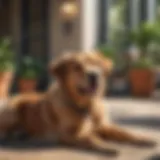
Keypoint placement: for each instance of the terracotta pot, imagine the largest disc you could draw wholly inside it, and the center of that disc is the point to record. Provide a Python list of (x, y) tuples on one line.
[(27, 85), (5, 83), (142, 82)]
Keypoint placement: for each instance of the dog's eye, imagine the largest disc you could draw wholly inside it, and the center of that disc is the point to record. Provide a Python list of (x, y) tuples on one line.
[(77, 67)]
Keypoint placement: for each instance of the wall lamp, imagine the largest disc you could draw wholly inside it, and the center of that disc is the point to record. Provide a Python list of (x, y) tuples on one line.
[(69, 10)]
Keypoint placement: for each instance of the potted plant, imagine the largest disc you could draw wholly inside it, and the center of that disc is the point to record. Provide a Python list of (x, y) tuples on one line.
[(6, 66), (107, 51), (117, 80), (141, 73), (28, 74)]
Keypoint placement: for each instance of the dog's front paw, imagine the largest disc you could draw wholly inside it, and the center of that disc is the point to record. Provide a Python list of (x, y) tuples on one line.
[(145, 142), (111, 152)]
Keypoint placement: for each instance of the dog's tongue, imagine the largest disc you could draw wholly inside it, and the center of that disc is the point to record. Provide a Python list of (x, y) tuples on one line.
[(92, 87)]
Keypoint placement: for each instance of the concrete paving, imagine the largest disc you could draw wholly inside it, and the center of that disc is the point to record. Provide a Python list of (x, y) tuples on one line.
[(141, 116)]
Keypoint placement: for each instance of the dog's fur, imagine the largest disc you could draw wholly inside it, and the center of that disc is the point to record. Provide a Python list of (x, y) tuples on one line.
[(72, 108)]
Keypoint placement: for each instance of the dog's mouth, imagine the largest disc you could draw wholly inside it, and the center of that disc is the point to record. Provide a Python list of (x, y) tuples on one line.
[(91, 88)]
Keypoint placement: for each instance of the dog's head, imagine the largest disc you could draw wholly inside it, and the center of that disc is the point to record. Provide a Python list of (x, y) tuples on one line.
[(82, 75)]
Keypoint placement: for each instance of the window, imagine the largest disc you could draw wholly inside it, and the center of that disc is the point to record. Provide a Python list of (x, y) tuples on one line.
[(117, 23)]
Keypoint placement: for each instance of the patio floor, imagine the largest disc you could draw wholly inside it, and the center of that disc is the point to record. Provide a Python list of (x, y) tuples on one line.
[(141, 116)]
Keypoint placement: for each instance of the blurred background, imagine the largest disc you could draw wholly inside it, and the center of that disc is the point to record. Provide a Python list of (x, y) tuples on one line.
[(32, 32)]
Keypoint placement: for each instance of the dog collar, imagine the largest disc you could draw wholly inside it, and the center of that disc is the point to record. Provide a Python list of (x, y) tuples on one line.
[(81, 110)]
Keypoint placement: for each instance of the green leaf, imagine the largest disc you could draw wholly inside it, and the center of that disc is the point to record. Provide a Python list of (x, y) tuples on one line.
[(107, 51), (143, 63), (30, 68), (6, 55)]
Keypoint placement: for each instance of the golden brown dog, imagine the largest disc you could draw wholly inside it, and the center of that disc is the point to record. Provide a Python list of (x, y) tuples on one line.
[(72, 108)]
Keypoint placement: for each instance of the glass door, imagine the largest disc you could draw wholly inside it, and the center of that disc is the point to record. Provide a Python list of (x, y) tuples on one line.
[(35, 33)]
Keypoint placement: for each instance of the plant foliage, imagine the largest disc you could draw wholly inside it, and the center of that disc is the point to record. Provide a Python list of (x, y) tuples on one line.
[(6, 55), (30, 68)]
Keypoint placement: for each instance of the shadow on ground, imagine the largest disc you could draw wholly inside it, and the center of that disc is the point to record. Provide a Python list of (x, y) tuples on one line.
[(20, 144), (16, 145), (149, 122), (154, 157)]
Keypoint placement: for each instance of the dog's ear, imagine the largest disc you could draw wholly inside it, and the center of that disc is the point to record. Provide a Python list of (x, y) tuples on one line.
[(106, 63), (59, 66)]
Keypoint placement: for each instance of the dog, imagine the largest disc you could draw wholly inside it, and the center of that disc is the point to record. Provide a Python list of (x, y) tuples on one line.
[(72, 109)]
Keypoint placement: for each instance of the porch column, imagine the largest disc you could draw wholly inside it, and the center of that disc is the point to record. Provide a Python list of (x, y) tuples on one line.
[(148, 10), (143, 10), (135, 13), (132, 14), (151, 10), (89, 24), (104, 6)]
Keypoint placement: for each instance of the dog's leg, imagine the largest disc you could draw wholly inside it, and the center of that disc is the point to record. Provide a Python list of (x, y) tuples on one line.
[(117, 134), (96, 143), (112, 132), (8, 121), (91, 142)]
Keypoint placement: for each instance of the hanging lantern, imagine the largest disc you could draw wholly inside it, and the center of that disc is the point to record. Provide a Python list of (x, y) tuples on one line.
[(69, 9)]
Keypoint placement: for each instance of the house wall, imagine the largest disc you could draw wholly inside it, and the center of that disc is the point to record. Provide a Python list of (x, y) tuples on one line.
[(59, 41), (85, 32), (83, 37)]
